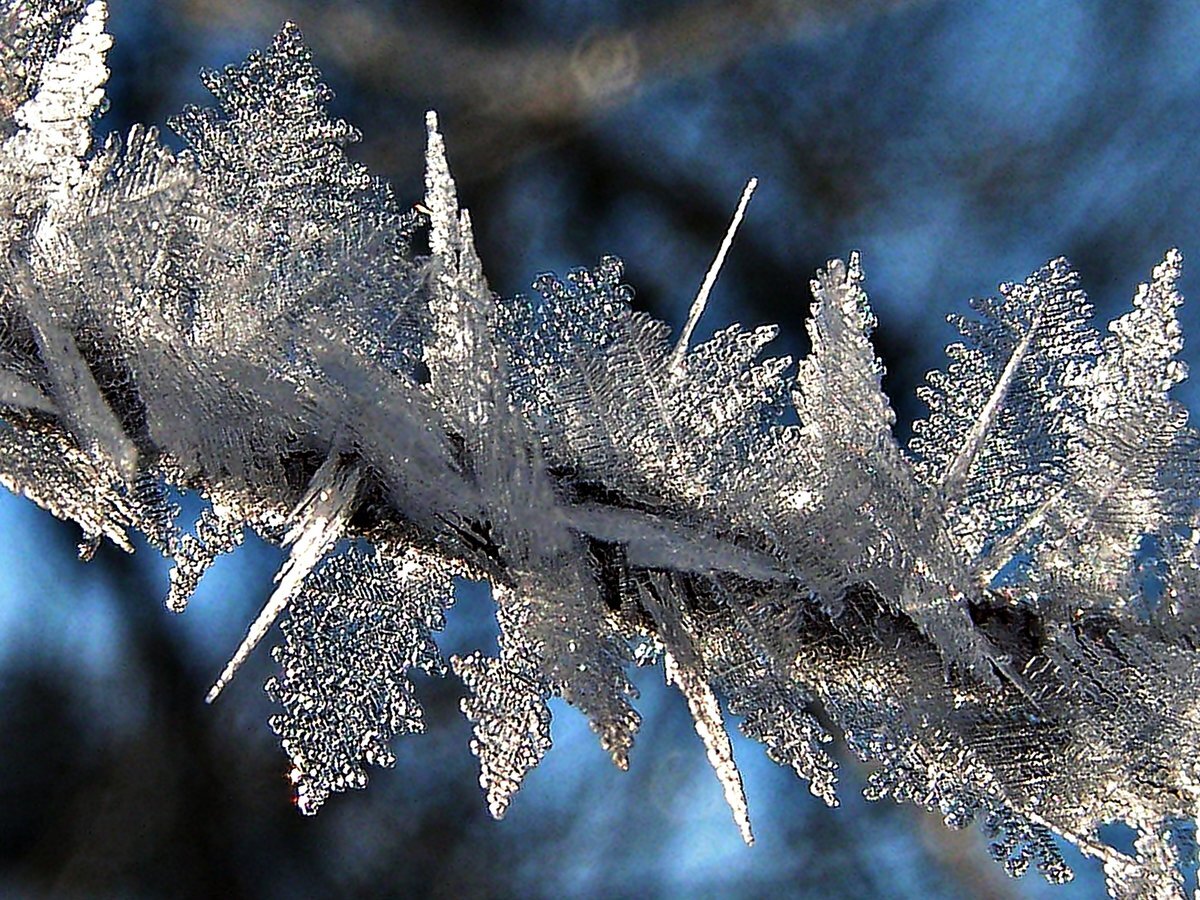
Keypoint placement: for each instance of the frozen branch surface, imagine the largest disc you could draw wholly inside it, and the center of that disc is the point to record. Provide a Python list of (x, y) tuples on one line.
[(1000, 617)]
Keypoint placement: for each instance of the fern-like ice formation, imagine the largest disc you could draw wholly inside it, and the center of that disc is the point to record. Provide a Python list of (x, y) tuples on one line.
[(1001, 617)]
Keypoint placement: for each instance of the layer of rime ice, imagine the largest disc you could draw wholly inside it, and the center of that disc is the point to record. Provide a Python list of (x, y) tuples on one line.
[(1001, 617)]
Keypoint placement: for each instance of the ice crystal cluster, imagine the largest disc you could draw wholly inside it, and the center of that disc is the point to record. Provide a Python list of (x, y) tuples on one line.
[(1001, 617)]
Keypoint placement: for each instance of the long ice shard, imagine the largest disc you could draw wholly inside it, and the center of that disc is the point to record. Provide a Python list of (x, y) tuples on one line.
[(319, 523)]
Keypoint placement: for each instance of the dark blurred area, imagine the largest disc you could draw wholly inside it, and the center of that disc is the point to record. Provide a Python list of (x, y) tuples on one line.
[(956, 144)]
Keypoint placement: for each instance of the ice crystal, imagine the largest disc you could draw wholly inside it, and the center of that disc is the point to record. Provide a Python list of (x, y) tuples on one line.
[(1001, 618), (353, 632)]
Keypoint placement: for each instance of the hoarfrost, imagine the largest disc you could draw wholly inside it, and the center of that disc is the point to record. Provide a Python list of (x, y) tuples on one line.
[(1001, 617)]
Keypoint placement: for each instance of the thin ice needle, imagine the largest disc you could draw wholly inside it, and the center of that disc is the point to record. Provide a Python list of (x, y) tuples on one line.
[(319, 522), (710, 279), (258, 630), (309, 540)]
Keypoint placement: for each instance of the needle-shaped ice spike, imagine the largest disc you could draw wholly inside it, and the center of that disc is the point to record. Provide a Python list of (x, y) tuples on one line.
[(319, 522), (710, 279)]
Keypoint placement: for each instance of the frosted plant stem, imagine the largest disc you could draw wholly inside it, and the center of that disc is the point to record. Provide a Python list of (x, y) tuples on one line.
[(710, 279), (763, 532)]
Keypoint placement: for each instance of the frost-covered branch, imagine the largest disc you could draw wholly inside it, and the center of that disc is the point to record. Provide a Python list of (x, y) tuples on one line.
[(1000, 617)]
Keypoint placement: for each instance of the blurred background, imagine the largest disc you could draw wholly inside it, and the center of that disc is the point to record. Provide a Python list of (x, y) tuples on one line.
[(956, 144)]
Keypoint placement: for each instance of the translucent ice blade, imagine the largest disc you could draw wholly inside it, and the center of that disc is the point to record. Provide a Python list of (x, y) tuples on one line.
[(706, 713), (710, 279), (320, 521)]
